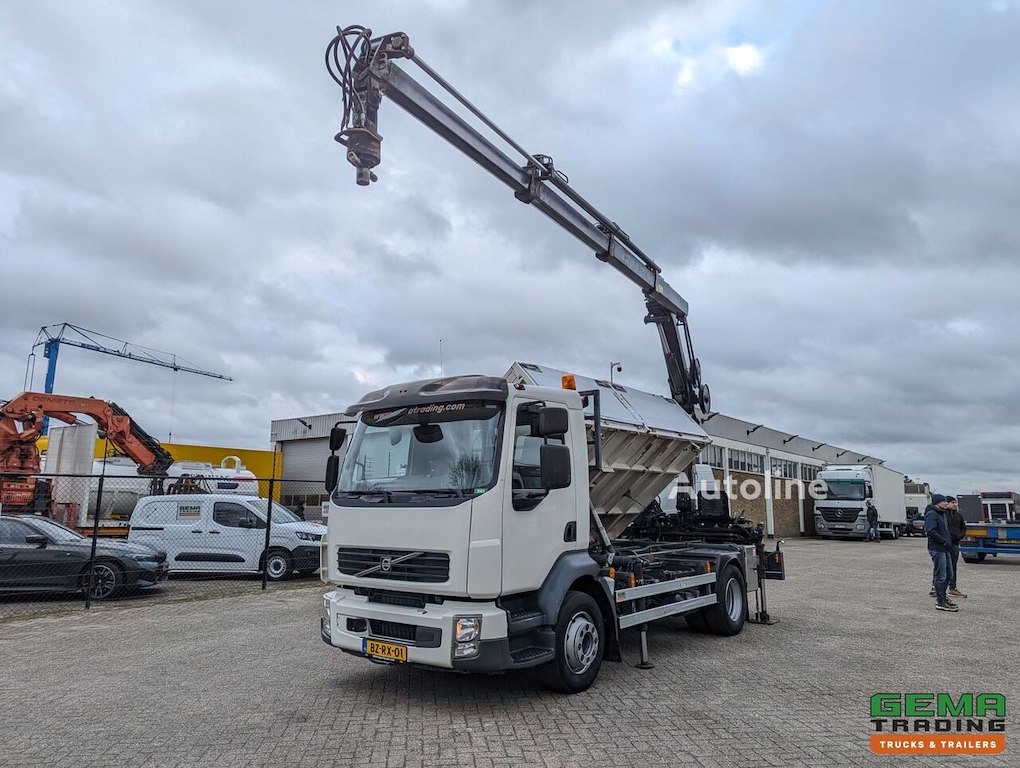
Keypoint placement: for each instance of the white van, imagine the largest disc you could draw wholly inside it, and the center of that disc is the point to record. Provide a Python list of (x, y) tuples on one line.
[(225, 533)]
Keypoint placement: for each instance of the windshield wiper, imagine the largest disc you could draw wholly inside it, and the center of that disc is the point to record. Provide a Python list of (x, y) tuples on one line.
[(382, 493), (445, 492)]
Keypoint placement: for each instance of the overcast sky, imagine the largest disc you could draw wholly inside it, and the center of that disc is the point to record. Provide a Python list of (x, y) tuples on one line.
[(833, 186)]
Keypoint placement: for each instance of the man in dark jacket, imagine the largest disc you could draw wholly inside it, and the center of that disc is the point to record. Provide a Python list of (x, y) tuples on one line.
[(939, 544), (957, 530), (872, 513)]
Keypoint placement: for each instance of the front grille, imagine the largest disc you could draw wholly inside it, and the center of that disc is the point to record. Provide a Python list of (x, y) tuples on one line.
[(393, 630), (395, 598), (430, 567), (838, 514)]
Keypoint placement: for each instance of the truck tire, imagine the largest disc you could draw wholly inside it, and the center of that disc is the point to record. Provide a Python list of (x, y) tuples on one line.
[(580, 644), (696, 621), (727, 616), (278, 565)]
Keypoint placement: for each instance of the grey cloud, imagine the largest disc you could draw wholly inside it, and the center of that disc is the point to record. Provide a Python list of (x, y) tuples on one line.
[(841, 220)]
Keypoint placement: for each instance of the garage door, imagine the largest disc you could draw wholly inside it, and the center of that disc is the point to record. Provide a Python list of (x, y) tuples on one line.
[(305, 459)]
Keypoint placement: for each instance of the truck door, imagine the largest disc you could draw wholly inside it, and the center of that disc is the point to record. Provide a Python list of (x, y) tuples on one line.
[(538, 525)]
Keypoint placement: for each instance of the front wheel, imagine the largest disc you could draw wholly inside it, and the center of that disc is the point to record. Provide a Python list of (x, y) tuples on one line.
[(580, 644), (105, 580), (278, 565)]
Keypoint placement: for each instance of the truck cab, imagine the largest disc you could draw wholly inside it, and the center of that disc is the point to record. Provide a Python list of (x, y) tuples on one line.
[(842, 513)]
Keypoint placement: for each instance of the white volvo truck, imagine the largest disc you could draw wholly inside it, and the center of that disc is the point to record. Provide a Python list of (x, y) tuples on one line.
[(485, 524), (495, 523)]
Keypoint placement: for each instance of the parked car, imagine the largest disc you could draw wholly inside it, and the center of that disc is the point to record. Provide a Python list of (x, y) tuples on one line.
[(40, 555), (917, 527), (224, 533)]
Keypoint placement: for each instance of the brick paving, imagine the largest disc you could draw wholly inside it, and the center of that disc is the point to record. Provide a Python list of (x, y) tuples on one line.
[(246, 681)]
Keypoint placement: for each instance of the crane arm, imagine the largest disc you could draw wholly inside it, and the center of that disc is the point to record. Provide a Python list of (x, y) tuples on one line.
[(365, 69), (18, 453)]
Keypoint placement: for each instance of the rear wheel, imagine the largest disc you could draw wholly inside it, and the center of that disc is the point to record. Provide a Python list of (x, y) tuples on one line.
[(727, 616), (696, 621), (580, 644)]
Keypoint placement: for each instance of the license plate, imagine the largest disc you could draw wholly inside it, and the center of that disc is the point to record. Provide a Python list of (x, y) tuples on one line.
[(388, 651), (841, 527)]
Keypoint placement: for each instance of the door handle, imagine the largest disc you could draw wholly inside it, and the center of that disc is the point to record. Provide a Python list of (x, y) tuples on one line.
[(196, 531), (216, 532), (570, 531)]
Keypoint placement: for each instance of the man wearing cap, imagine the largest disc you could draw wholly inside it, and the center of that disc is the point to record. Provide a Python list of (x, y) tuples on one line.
[(957, 530), (939, 544)]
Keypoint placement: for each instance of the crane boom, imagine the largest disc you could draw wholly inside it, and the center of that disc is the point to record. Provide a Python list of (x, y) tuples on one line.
[(365, 69), (51, 337)]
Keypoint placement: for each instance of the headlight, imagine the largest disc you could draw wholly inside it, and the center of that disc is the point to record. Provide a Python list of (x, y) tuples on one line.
[(467, 628), (325, 607), (819, 523), (304, 536), (859, 527)]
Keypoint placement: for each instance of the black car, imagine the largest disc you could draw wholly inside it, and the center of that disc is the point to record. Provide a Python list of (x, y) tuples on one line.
[(39, 555), (917, 527)]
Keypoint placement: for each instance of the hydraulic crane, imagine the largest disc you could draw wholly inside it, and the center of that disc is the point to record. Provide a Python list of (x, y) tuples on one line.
[(19, 455), (365, 68), (52, 336)]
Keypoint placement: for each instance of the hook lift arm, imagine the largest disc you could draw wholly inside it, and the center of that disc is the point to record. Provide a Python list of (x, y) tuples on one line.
[(365, 69)]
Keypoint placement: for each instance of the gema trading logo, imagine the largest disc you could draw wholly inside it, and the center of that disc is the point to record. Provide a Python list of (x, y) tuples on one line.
[(938, 723)]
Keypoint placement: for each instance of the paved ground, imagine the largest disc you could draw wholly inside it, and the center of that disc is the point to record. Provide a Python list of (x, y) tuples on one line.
[(246, 681), (18, 606)]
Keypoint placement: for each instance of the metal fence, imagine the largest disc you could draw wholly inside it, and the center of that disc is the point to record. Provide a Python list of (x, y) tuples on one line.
[(90, 540)]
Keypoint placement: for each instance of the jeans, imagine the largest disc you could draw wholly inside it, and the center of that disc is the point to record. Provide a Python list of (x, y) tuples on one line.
[(943, 563), (873, 534), (954, 561)]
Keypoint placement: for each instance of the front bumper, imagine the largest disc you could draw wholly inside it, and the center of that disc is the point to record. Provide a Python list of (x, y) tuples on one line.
[(436, 622), (150, 574), (306, 558)]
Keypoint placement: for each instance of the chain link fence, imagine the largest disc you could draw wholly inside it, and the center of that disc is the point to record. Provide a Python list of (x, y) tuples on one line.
[(85, 541)]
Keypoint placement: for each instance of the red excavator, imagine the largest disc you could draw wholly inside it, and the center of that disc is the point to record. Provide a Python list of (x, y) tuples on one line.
[(21, 421)]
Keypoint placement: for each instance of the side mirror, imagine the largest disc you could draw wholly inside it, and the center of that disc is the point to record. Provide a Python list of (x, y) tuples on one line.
[(337, 435), (332, 472), (39, 540), (552, 421), (554, 463)]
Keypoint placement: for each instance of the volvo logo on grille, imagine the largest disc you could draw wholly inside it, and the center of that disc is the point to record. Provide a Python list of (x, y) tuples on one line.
[(385, 564)]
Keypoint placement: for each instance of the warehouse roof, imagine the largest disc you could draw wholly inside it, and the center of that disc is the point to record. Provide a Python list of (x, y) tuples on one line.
[(729, 428)]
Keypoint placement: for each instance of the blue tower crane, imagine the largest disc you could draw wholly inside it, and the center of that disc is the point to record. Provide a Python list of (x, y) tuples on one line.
[(52, 336)]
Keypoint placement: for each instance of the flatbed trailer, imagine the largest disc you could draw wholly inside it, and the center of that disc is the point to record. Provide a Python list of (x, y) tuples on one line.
[(990, 538)]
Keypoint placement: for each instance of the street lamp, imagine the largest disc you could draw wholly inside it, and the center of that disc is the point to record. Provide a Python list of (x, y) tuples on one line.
[(614, 366)]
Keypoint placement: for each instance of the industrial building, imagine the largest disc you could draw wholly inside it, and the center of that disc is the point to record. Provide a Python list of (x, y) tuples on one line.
[(761, 465)]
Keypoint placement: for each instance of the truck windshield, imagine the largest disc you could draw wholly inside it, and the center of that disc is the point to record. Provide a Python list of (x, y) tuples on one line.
[(845, 490), (442, 449)]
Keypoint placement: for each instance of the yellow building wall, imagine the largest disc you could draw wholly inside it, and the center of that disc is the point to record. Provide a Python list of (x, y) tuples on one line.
[(259, 463)]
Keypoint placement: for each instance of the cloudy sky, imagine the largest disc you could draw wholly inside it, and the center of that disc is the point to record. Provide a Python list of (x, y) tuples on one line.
[(833, 186)]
